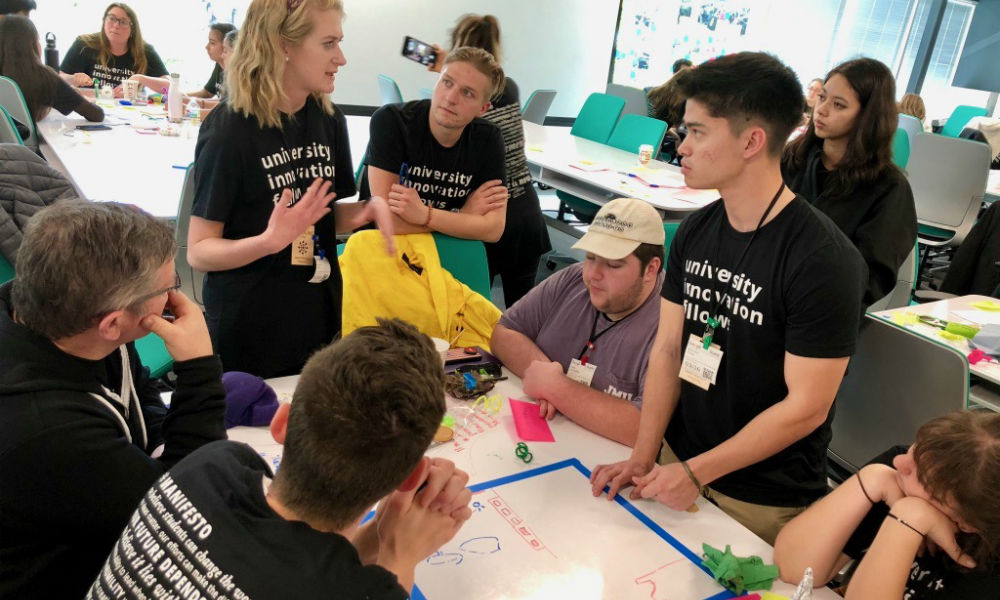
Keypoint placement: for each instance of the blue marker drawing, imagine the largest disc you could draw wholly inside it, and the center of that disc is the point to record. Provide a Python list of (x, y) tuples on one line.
[(481, 545)]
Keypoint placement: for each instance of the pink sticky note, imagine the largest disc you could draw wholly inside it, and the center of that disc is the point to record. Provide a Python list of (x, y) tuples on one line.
[(530, 426)]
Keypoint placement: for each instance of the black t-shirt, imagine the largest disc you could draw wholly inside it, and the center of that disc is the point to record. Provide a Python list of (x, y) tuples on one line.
[(205, 530), (82, 59), (525, 235), (931, 577), (215, 81), (444, 177), (265, 317), (798, 290), (66, 99)]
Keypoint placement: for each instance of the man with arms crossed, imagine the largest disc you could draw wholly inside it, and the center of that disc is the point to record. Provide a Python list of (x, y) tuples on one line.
[(760, 314), (579, 341), (440, 167)]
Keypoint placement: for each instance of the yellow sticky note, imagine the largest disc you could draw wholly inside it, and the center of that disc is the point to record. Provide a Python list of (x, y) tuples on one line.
[(905, 318), (536, 149), (986, 305), (772, 596), (950, 336)]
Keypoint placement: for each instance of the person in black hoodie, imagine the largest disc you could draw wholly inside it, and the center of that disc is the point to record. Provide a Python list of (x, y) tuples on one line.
[(83, 432), (843, 166)]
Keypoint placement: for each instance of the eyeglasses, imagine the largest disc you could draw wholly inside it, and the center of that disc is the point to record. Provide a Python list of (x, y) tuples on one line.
[(150, 296), (111, 19)]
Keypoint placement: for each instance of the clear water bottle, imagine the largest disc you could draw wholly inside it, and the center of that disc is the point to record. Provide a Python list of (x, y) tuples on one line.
[(193, 111)]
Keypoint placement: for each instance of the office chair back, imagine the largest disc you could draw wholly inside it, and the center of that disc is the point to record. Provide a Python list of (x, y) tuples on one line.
[(389, 90), (12, 99), (6, 270), (8, 131), (948, 178), (633, 131), (466, 261), (669, 231), (897, 380), (636, 101), (191, 279), (959, 118), (598, 117), (537, 106), (906, 279), (911, 125), (425, 93), (900, 148)]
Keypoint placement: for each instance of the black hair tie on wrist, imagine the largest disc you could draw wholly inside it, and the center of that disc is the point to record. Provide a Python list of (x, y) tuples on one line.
[(914, 529), (863, 490)]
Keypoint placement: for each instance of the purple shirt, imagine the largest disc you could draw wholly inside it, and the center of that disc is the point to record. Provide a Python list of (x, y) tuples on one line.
[(557, 315)]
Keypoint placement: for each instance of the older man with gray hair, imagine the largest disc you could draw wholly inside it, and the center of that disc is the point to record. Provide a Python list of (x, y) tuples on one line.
[(83, 432)]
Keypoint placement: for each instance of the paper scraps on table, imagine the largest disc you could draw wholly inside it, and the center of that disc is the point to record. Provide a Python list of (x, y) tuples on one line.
[(589, 166), (737, 573), (530, 426), (986, 305)]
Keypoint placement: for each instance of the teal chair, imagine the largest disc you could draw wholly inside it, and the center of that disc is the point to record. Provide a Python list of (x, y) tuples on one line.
[(959, 118), (8, 131), (12, 99), (598, 117), (901, 148), (154, 356), (6, 270), (669, 231), (389, 90), (631, 132), (464, 259)]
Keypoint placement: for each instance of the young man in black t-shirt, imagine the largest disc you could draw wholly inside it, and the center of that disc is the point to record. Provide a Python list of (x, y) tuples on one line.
[(761, 307), (440, 166), (364, 411)]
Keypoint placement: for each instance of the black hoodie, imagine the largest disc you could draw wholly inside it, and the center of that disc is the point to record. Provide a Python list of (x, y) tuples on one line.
[(75, 462)]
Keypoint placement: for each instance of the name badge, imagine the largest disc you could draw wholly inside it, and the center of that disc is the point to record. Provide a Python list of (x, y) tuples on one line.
[(302, 248), (322, 272), (581, 373), (700, 366)]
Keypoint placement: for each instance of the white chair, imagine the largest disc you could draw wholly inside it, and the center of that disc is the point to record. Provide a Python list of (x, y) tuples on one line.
[(912, 126), (636, 102), (900, 294), (12, 99), (897, 380), (948, 177), (537, 106), (8, 132), (389, 90), (191, 279)]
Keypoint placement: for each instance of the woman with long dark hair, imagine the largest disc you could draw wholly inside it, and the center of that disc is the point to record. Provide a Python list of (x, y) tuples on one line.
[(21, 60), (843, 166)]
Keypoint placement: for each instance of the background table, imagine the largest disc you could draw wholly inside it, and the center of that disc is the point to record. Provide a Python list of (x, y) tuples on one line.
[(485, 449), (551, 152)]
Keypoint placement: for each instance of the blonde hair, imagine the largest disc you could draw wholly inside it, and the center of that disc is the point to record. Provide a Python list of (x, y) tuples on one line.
[(483, 62), (253, 78), (913, 105), (136, 46)]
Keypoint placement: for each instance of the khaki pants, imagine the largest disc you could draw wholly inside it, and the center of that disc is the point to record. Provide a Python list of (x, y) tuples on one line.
[(763, 520)]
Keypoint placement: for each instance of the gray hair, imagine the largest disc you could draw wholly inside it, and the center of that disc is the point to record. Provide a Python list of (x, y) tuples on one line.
[(82, 260)]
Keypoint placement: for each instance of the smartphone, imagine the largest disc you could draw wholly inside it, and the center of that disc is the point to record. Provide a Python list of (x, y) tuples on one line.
[(459, 355), (93, 127), (418, 51)]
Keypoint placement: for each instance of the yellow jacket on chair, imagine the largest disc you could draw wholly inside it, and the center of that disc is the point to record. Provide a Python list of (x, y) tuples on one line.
[(411, 286)]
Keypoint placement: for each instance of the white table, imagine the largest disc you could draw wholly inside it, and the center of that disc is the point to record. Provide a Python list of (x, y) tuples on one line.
[(486, 453), (552, 152), (124, 165)]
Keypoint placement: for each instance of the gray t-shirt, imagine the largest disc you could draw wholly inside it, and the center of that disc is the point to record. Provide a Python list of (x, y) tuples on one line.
[(558, 316)]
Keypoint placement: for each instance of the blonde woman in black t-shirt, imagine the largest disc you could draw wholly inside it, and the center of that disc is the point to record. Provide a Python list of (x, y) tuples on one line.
[(268, 164), (20, 60)]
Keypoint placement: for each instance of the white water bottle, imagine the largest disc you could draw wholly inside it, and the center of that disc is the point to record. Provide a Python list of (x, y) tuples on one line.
[(175, 100)]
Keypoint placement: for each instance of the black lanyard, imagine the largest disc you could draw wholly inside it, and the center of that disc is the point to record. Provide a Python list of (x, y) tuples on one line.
[(713, 302), (593, 338)]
